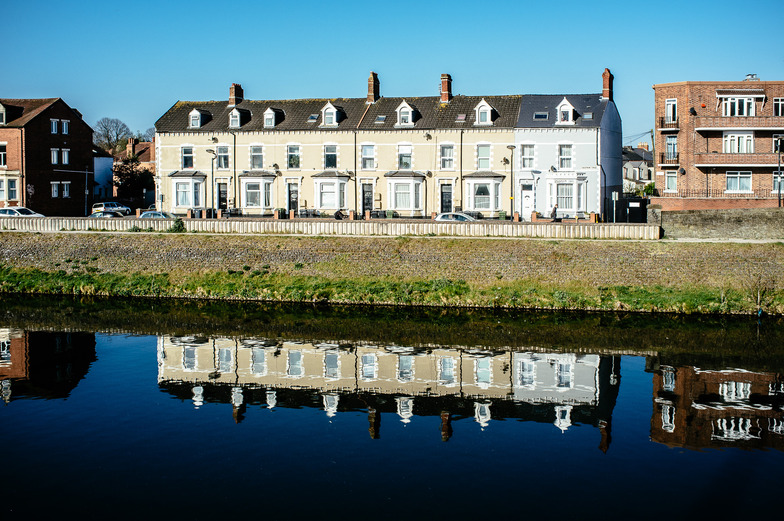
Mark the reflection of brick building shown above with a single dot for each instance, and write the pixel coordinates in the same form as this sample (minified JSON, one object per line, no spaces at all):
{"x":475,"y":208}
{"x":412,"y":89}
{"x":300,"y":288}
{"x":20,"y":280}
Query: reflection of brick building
{"x":562,"y":389}
{"x":696,"y":408}
{"x":43,"y":364}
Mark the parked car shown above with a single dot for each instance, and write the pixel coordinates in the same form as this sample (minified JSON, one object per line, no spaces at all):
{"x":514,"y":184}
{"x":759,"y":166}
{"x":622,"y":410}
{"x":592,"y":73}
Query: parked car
{"x":112,"y":207}
{"x":106,"y":214}
{"x":454,"y":217}
{"x":18,"y":211}
{"x":154,"y":214}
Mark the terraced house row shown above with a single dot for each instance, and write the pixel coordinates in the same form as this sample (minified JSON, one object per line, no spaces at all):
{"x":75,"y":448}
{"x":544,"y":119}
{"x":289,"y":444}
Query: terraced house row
{"x":409,"y":156}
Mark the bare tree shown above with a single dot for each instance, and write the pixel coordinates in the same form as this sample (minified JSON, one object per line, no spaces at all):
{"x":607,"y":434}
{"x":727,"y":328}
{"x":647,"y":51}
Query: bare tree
{"x":110,"y":132}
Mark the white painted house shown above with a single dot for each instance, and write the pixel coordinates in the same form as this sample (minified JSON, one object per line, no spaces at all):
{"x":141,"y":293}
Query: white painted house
{"x":568,"y":151}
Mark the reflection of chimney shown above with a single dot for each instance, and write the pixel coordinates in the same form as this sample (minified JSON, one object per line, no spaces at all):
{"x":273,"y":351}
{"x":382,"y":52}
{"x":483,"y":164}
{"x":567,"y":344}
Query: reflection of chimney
{"x":643,"y":145}
{"x":130,"y":147}
{"x":374,"y":88}
{"x":607,"y":85}
{"x":374,"y":419}
{"x":446,"y":426}
{"x":604,"y":428}
{"x":446,"y":88}
{"x":235,"y":94}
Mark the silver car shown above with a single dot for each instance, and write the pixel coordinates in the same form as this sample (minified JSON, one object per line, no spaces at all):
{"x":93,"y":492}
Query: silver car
{"x":454,"y":217}
{"x":18,"y":211}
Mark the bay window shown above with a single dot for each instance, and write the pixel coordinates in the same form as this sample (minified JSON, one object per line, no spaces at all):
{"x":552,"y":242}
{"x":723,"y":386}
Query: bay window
{"x":484,"y":194}
{"x":405,"y":194}
{"x":257,"y":193}
{"x":331,"y":194}
{"x":188,"y":193}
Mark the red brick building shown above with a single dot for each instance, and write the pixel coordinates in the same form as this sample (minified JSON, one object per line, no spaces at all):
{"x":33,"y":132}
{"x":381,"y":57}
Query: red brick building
{"x":715,"y":144}
{"x":46,"y":157}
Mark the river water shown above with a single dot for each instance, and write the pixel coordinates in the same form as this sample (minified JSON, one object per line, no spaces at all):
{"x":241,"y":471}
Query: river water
{"x":290,"y":413}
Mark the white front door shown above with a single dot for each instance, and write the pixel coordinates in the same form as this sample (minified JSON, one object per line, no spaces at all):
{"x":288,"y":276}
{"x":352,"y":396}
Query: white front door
{"x":527,"y":201}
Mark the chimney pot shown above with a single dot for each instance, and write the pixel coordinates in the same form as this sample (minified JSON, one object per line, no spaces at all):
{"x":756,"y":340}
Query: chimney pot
{"x":130,"y":147}
{"x":446,"y":88}
{"x":643,"y":145}
{"x":235,"y":94}
{"x":607,"y":85}
{"x":374,"y":88}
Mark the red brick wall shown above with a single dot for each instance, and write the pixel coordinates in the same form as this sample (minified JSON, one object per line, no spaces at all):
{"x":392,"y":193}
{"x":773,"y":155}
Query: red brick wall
{"x":683,"y":203}
{"x":12,"y":138}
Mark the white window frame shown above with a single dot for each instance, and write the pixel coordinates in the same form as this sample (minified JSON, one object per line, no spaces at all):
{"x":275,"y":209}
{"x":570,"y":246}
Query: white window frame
{"x":564,"y":114}
{"x":332,"y":185}
{"x":565,"y":161}
{"x":65,"y":156}
{"x":528,"y":160}
{"x":53,"y":126}
{"x":55,"y":155}
{"x":183,"y":155}
{"x":222,"y":157}
{"x":194,"y":119}
{"x":482,"y":366}
{"x":293,"y":150}
{"x":574,"y":202}
{"x":65,"y":126}
{"x":447,"y":371}
{"x":405,"y":149}
{"x":332,"y":375}
{"x":55,"y":189}
{"x":368,"y":161}
{"x":447,"y":160}
{"x":483,"y":114}
{"x":3,"y":155}
{"x":2,"y":190}
{"x":484,"y":163}
{"x":329,"y":116}
{"x":66,"y":189}
{"x":13,"y":192}
{"x":269,"y":118}
{"x":408,"y":376}
{"x":368,"y":368}
{"x":671,"y":175}
{"x":2,"y":115}
{"x":405,"y":115}
{"x":671,"y":110}
{"x":494,"y":194}
{"x":335,"y":153}
{"x":737,"y":178}
{"x":234,"y":119}
{"x":671,"y":148}
{"x":412,"y":187}
{"x":258,"y":364}
{"x":296,"y":369}
{"x":736,"y":142}
{"x":738,"y":106}
{"x":775,"y":137}
{"x":194,"y":190}
{"x":778,"y":178}
{"x":259,"y":154}
{"x":778,"y":107}
{"x":265,"y":192}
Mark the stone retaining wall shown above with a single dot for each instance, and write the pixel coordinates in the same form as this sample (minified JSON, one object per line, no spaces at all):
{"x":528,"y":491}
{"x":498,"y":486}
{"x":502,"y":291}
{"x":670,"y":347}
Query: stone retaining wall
{"x":749,"y":223}
{"x":384,"y":228}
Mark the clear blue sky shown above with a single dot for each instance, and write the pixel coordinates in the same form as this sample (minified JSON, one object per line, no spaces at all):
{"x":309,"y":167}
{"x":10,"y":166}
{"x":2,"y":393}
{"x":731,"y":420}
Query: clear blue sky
{"x":133,"y":60}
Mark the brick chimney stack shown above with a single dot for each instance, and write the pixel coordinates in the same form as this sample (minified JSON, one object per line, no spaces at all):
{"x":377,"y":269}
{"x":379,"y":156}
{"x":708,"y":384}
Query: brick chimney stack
{"x":235,"y":94}
{"x":446,"y":88}
{"x":643,"y":145}
{"x":130,"y":147}
{"x":374,"y":88}
{"x":607,"y":85}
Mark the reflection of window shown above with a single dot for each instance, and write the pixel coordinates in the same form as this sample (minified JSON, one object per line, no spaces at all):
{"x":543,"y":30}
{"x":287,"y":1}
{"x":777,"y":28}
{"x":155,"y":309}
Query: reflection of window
{"x":563,"y":417}
{"x":526,"y":373}
{"x":294,"y":365}
{"x":189,"y":358}
{"x":482,"y":367}
{"x":405,"y":368}
{"x":331,"y":368}
{"x":5,"y":351}
{"x":668,"y":379}
{"x":563,"y":375}
{"x":405,"y":408}
{"x":224,"y":360}
{"x":447,"y":371}
{"x":734,"y":391}
{"x":482,"y":413}
{"x":259,"y":361}
{"x":369,"y":367}
{"x":331,"y":404}
{"x":668,"y":418}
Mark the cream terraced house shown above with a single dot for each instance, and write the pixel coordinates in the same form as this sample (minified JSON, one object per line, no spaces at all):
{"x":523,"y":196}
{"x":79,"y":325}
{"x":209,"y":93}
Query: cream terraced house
{"x":414,"y":156}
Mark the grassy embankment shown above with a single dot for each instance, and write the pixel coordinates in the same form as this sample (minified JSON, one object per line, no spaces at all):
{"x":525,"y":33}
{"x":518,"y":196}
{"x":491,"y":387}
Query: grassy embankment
{"x":403,"y":271}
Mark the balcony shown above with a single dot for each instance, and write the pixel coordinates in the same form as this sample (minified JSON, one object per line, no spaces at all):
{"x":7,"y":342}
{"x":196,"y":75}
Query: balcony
{"x":668,"y":159}
{"x":666,"y":124}
{"x":723,"y":159}
{"x":727,"y":122}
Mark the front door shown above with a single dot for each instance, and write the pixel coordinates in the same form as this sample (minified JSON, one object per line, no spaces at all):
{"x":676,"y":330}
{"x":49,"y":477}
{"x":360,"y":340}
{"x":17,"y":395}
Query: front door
{"x":367,"y":198}
{"x":446,"y":198}
{"x":527,"y":201}
{"x":293,"y":189}
{"x":223,"y":193}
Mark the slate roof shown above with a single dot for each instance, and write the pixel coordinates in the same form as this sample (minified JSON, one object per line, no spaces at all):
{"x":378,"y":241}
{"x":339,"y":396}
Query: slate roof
{"x":582,"y":103}
{"x":636,"y":154}
{"x":429,"y":113}
{"x":145,"y":151}
{"x":18,"y":112}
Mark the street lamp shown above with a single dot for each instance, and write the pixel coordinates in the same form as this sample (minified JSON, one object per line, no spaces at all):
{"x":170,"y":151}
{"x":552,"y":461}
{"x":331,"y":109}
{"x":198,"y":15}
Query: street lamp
{"x":212,"y":179}
{"x":511,"y":182}
{"x":778,"y":149}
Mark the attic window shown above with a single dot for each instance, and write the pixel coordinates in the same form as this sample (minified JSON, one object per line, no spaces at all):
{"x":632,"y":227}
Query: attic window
{"x":565,"y":113}
{"x":460,"y":118}
{"x":269,"y":118}
{"x":380,"y":119}
{"x":2,"y":115}
{"x":312,"y":118}
{"x":234,"y":119}
{"x":483,"y":114}
{"x":541,"y":115}
{"x":329,"y":115}
{"x":588,"y":115}
{"x":194,"y":119}
{"x":405,"y":115}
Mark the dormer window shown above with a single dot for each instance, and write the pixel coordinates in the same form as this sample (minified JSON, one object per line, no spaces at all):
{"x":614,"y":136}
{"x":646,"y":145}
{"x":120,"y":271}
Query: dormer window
{"x":565,"y":113}
{"x":2,"y":115}
{"x":234,"y":119}
{"x":484,"y":114}
{"x":405,"y":115}
{"x":329,"y":115}
{"x":269,"y":118}
{"x":195,"y":119}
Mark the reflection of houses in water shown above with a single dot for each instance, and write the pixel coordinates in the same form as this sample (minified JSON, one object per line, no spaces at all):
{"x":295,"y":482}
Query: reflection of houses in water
{"x":43,"y":364}
{"x":697,"y":408}
{"x":563,"y":389}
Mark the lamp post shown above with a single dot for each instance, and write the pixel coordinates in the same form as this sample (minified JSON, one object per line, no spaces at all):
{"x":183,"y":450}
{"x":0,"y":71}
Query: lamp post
{"x":511,"y":182}
{"x":778,"y":149}
{"x":212,"y":179}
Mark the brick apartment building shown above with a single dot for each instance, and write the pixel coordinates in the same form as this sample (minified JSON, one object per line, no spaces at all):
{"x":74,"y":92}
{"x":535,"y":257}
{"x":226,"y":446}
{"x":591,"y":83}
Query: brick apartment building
{"x":46,"y":157}
{"x":715,"y":144}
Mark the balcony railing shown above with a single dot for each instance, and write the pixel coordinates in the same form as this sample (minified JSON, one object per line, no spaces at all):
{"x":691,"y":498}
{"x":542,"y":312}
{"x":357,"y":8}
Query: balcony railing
{"x":668,"y":159}
{"x":772,"y":122}
{"x":718,"y":194}
{"x":666,"y":123}
{"x":721,"y":158}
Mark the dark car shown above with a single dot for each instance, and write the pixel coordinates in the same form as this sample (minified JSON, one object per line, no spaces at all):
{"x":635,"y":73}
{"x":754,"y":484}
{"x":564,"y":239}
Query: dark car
{"x":154,"y":214}
{"x":106,"y":214}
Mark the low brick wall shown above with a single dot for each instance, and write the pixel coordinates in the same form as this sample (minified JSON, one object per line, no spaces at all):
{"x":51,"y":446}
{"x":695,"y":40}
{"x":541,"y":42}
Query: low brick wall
{"x":708,"y":203}
{"x":749,"y":223}
{"x":384,"y":228}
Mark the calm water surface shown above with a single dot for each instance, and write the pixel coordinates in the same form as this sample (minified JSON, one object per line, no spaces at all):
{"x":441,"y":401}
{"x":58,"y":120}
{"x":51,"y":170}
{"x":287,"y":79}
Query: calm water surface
{"x":191,"y":426}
